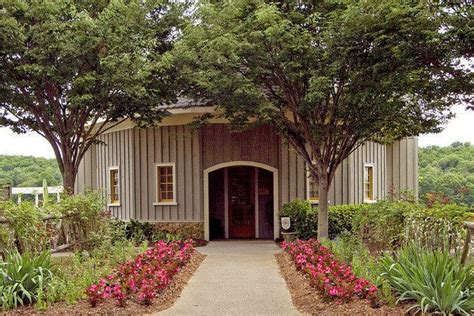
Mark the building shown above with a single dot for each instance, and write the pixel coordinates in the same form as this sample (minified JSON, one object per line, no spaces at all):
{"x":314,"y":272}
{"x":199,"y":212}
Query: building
{"x":214,"y":183}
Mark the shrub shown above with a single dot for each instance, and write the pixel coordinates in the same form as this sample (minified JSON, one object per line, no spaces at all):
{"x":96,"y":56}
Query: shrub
{"x":382,"y":223}
{"x":333,"y":278}
{"x":85,"y":218}
{"x":434,"y":280}
{"x":341,"y":218}
{"x":440,"y":227}
{"x":24,"y":278}
{"x":304,"y":219}
{"x":26,"y":231}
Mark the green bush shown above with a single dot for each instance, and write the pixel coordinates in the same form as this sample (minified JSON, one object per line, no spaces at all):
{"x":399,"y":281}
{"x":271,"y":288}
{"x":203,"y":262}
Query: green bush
{"x":440,"y":227}
{"x":304,"y":219}
{"x":24,"y":278}
{"x":85,"y":218}
{"x":341,"y":218}
{"x":436,"y":281}
{"x":382,"y":223}
{"x":26,"y":230}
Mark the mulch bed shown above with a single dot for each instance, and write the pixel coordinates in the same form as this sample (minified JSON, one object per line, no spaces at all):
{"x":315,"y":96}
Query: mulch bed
{"x":307,"y":300}
{"x":165,"y":299}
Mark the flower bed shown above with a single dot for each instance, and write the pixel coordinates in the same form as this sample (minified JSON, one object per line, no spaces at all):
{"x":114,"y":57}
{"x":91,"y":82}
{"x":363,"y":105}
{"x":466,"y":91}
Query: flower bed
{"x":333,"y":279}
{"x":144,"y":277}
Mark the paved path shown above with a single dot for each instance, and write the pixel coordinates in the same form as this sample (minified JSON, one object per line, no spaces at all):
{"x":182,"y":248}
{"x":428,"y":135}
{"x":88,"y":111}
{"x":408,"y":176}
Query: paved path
{"x":236,"y":278}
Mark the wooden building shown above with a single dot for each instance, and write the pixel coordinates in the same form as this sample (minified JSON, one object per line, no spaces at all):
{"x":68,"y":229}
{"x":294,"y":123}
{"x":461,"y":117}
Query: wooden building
{"x":222,"y":184}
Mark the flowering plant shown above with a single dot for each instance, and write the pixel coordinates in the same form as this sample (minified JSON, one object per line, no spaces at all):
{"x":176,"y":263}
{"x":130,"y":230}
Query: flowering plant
{"x":143,"y":277}
{"x":333,"y":278}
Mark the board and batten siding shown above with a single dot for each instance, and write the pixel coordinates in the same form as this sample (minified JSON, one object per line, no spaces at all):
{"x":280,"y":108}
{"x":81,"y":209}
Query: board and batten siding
{"x":136,"y":152}
{"x":402,"y":166}
{"x":219,"y":145}
{"x":115,"y":150}
{"x":87,"y":173}
{"x":347,"y":185}
{"x":167,"y":144}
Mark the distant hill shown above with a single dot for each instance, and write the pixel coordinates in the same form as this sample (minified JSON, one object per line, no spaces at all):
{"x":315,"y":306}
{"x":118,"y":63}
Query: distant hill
{"x":448,"y":170}
{"x":26,"y":171}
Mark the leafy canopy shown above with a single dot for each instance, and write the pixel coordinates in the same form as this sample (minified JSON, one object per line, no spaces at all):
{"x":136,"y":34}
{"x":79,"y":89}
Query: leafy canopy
{"x":69,"y":68}
{"x":329,"y":72}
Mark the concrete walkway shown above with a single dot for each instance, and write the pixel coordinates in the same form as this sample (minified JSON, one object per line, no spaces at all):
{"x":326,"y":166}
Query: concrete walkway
{"x":236,"y":278}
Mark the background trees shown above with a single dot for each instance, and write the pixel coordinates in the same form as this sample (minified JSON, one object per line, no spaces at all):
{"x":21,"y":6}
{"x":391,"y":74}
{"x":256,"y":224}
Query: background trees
{"x":329,"y":75}
{"x":72,"y":69}
{"x":449,"y":171}
{"x":27,"y":171}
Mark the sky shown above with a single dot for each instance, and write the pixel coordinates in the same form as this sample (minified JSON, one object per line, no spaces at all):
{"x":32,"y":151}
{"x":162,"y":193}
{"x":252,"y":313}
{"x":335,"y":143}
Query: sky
{"x":461,"y":128}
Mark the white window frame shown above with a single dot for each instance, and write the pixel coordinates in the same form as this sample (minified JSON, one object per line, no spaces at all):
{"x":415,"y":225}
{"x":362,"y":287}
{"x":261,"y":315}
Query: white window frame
{"x":109,"y":193}
{"x":374,"y":184}
{"x":157,"y":199}
{"x":308,"y":179}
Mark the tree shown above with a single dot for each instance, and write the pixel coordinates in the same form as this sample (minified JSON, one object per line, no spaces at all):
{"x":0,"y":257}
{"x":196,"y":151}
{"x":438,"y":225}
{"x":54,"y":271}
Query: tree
{"x":329,"y":75}
{"x":71,"y":70}
{"x":447,"y":171}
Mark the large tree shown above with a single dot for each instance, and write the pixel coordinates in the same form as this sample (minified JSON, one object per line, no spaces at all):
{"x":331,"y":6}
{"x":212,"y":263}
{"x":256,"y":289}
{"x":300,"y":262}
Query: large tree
{"x":330,"y":75}
{"x":72,"y":69}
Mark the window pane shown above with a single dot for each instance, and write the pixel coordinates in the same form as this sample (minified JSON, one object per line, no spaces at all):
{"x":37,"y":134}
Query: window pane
{"x":114,"y":186}
{"x":165,"y":185}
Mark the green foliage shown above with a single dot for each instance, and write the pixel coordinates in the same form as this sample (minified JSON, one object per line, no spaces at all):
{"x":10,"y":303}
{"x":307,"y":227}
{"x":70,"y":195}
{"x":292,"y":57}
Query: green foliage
{"x":86,"y":268}
{"x":26,"y":230}
{"x":28,"y":171}
{"x":449,"y":171}
{"x":85,"y":218}
{"x":24,"y":278}
{"x":77,"y":62}
{"x":440,"y":227}
{"x":341,"y":218}
{"x":383,"y":223}
{"x":350,"y":249}
{"x":139,"y":232}
{"x":304,"y":220}
{"x":434,"y":280}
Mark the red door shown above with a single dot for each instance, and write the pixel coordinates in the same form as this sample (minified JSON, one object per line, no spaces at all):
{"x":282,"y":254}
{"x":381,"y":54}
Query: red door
{"x":241,"y":197}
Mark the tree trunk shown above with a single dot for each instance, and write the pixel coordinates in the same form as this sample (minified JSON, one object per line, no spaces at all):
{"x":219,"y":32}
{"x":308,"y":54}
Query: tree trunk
{"x":69,"y":179}
{"x":323,"y":218}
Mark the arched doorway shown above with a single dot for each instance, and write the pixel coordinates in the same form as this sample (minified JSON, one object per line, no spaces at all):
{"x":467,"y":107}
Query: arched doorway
{"x":240,"y":201}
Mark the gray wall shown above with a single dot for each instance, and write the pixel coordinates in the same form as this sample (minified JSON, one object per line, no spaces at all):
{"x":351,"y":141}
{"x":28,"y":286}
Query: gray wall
{"x":402,"y":165}
{"x":177,"y":144}
{"x":136,"y":151}
{"x":347,"y":186}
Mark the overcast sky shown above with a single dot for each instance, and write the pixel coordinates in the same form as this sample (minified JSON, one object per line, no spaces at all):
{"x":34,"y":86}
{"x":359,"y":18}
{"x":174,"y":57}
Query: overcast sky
{"x":461,"y":128}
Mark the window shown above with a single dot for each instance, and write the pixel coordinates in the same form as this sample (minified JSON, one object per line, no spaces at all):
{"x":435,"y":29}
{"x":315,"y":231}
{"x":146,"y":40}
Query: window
{"x":312,"y":188}
{"x":114,"y":188}
{"x":368,"y":183}
{"x":166,"y":185}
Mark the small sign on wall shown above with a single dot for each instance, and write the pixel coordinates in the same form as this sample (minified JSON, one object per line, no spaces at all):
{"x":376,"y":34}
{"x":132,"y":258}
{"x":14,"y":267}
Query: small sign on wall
{"x":285,"y":223}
